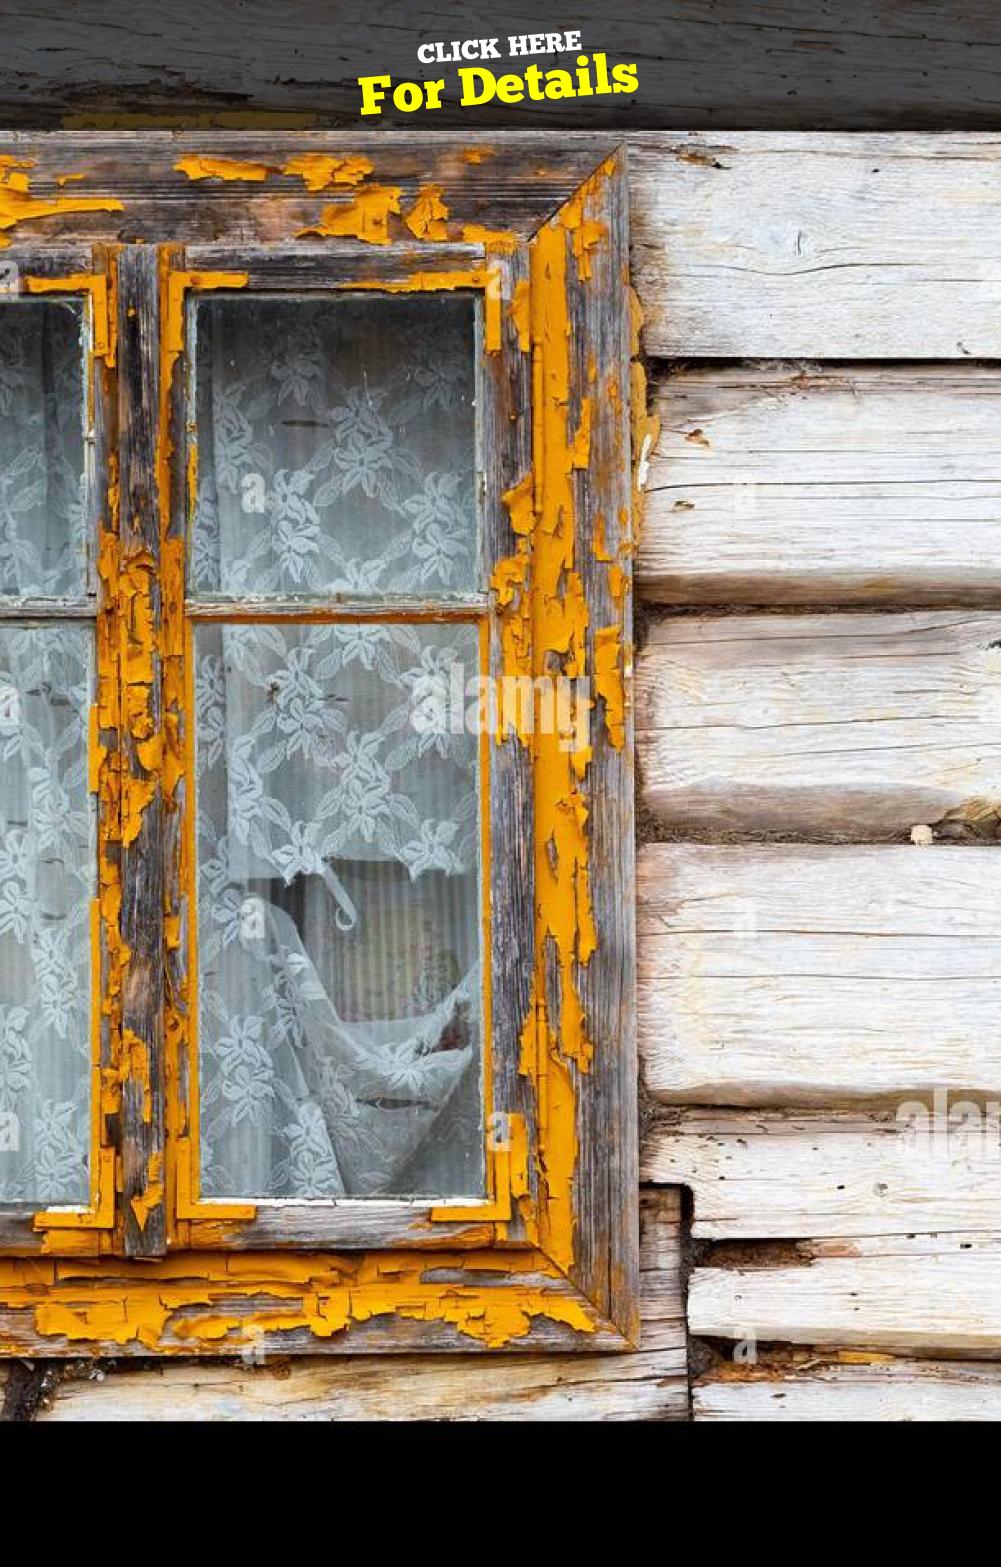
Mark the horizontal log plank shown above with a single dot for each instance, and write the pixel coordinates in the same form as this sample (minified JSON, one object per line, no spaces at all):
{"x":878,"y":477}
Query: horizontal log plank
{"x":698,"y":63}
{"x":807,"y":974}
{"x":643,"y":1386}
{"x":649,"y":1385}
{"x":751,"y":245}
{"x":759,"y":1175}
{"x":924,"y":1294}
{"x":806,"y":484}
{"x":858,"y":726}
{"x":885,"y":1390}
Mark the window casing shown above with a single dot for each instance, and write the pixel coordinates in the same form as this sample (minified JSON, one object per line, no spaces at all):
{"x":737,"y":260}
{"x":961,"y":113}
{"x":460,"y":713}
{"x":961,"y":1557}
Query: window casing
{"x":531,"y":1239}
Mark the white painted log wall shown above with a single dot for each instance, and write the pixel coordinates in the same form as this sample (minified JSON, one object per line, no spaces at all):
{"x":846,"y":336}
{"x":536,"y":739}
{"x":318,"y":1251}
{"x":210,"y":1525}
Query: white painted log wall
{"x":879,"y":1389}
{"x":859,"y":726}
{"x":818,"y":484}
{"x":758,"y":245}
{"x":794,"y":994}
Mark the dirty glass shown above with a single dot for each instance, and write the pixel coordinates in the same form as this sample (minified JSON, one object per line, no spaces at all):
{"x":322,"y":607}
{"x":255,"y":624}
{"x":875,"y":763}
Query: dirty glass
{"x":47,"y":859}
{"x":43,"y":503}
{"x":336,"y":448}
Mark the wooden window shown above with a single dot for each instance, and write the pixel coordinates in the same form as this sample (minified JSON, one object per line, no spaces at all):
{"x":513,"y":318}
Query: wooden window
{"x":316,"y":1011}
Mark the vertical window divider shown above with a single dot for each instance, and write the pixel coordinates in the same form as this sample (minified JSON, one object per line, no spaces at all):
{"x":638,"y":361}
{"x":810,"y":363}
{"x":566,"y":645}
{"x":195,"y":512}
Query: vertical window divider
{"x":142,"y":866}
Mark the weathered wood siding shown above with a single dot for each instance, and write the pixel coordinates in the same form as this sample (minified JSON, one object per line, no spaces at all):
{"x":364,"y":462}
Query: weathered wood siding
{"x":807,"y":483}
{"x":819,"y":995}
{"x":700,"y":62}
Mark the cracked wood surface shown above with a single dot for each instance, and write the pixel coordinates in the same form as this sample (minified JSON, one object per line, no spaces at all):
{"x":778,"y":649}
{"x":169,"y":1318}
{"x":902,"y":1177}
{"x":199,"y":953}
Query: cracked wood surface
{"x":700,"y":62}
{"x":824,"y":484}
{"x":799,"y":974}
{"x":760,"y":245}
{"x":827,"y":726}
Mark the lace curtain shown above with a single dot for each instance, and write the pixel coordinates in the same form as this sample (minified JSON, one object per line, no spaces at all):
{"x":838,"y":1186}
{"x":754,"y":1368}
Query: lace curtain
{"x":47,"y":840}
{"x":47,"y":855}
{"x":338,"y":876}
{"x":42,"y":474}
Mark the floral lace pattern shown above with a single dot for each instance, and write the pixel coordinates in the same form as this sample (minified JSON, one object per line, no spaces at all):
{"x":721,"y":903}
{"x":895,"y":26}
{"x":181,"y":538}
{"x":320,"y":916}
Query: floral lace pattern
{"x":338,"y":924}
{"x":47,"y":858}
{"x":336,"y":446}
{"x":42,"y":470}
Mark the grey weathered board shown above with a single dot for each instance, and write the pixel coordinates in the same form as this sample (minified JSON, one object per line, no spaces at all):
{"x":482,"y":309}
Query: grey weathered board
{"x":701,"y":62}
{"x":142,"y":918}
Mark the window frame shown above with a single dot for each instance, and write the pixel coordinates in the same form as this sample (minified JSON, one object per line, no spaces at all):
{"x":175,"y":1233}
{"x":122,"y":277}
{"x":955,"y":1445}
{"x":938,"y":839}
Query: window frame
{"x":350,"y":1222}
{"x":549,"y":1258}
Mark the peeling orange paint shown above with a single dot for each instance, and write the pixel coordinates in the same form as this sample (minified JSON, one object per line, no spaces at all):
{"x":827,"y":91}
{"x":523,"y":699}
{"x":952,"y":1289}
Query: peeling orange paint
{"x":151,"y":1197}
{"x":585,"y":233}
{"x":136,"y":1070}
{"x":192,"y":1302}
{"x":645,"y":425}
{"x":203,"y":166}
{"x":427,"y":218}
{"x":18,"y":205}
{"x":499,"y":242}
{"x":609,"y":681}
{"x":519,"y":312}
{"x":486,"y":279}
{"x":366,"y":216}
{"x":320,"y":170}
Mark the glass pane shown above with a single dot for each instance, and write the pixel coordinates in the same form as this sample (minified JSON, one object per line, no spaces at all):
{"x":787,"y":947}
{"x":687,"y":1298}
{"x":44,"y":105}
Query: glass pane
{"x":339,"y":926}
{"x":47,"y":881}
{"x":336,"y":445}
{"x":42,"y":470}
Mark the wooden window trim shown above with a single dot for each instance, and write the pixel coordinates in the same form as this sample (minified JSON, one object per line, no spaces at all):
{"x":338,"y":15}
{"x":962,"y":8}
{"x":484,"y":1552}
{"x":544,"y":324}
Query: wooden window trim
{"x":550,"y":1260}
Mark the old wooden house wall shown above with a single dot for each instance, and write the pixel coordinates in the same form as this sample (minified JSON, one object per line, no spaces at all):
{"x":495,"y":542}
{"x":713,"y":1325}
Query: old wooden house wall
{"x":819,"y":673}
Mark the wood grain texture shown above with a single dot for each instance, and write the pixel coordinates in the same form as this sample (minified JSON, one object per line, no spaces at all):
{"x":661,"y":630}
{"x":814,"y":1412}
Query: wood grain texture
{"x":922,"y":1294}
{"x":701,"y":62}
{"x":817,"y":246}
{"x":884,"y":1390}
{"x":513,"y":186}
{"x":605,"y":1177}
{"x":764,"y":1175}
{"x":142,"y":916}
{"x":812,"y":484}
{"x":858,"y":726}
{"x":651,"y":1384}
{"x":804,"y":974}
